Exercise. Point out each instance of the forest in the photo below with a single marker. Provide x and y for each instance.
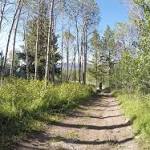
(53, 58)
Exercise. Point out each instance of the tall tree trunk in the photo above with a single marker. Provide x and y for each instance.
(62, 49)
(85, 56)
(73, 67)
(53, 53)
(67, 54)
(1, 58)
(74, 72)
(3, 6)
(80, 65)
(67, 76)
(14, 43)
(78, 49)
(96, 55)
(49, 42)
(37, 48)
(109, 69)
(9, 37)
(26, 53)
(82, 60)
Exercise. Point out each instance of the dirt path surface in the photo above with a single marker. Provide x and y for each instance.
(98, 125)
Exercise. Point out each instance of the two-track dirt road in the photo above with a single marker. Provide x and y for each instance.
(98, 125)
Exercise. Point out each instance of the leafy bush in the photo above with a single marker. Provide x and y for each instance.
(22, 102)
(133, 73)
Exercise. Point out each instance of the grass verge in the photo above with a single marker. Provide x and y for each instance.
(25, 104)
(137, 108)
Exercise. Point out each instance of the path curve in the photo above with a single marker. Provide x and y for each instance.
(98, 125)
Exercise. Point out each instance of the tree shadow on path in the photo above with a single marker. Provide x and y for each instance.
(79, 126)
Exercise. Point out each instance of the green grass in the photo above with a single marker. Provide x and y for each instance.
(25, 105)
(137, 107)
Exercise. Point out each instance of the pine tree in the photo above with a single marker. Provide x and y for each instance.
(31, 37)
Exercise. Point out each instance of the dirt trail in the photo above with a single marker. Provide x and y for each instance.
(98, 125)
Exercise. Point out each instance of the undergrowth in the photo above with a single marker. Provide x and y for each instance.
(24, 105)
(137, 107)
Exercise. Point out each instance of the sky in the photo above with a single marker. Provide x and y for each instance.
(112, 11)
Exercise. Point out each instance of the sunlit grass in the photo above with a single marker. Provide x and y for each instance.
(26, 105)
(137, 107)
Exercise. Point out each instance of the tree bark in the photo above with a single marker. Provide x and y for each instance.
(53, 53)
(2, 13)
(49, 42)
(14, 43)
(109, 61)
(85, 56)
(78, 49)
(74, 72)
(67, 76)
(96, 56)
(62, 50)
(27, 58)
(82, 60)
(9, 37)
(37, 46)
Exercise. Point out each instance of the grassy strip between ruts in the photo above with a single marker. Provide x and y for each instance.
(25, 104)
(137, 108)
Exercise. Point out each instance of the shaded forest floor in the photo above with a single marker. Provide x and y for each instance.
(97, 125)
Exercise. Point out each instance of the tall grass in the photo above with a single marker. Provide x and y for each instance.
(22, 103)
(137, 107)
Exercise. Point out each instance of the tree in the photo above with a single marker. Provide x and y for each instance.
(19, 6)
(90, 18)
(74, 9)
(26, 58)
(37, 40)
(97, 67)
(3, 5)
(85, 14)
(40, 39)
(49, 41)
(69, 38)
(30, 45)
(14, 41)
(132, 72)
(109, 51)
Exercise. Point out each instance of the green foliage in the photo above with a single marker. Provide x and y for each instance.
(137, 107)
(23, 104)
(123, 76)
(31, 46)
(108, 46)
(103, 56)
(144, 25)
(109, 41)
(133, 73)
(97, 68)
(31, 39)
